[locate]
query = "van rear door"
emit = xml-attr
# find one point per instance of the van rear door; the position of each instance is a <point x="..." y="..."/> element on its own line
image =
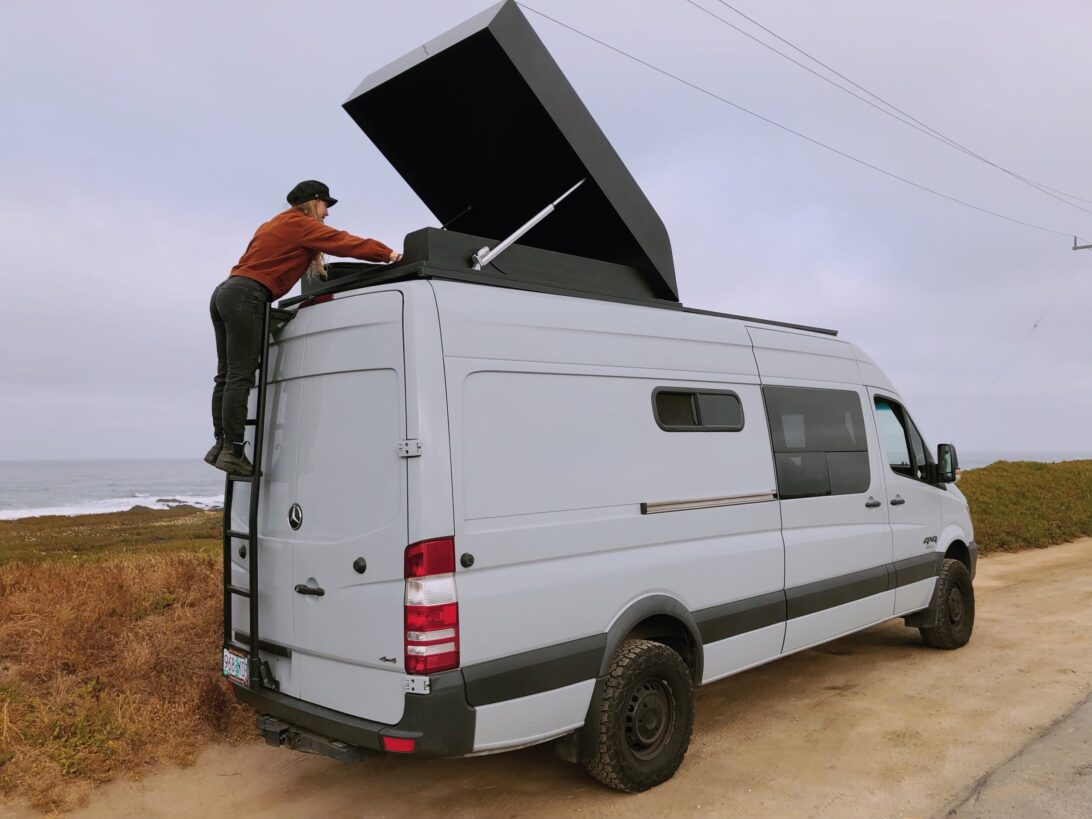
<point x="340" y="392"/>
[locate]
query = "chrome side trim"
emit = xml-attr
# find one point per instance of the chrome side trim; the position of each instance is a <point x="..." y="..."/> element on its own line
<point x="706" y="503"/>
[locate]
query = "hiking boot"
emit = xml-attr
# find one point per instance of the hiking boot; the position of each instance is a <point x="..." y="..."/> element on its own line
<point x="234" y="464"/>
<point x="214" y="453"/>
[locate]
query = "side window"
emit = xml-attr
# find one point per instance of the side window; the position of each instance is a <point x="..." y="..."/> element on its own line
<point x="921" y="453"/>
<point x="818" y="441"/>
<point x="697" y="411"/>
<point x="905" y="448"/>
<point x="893" y="438"/>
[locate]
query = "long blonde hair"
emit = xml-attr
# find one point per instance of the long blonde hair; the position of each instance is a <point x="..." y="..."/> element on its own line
<point x="317" y="268"/>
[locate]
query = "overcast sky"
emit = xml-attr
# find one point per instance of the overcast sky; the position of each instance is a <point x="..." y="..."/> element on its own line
<point x="143" y="142"/>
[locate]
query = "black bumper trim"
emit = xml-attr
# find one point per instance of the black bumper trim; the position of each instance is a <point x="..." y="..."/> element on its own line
<point x="441" y="722"/>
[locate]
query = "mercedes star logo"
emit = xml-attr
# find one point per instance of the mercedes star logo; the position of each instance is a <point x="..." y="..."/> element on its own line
<point x="295" y="516"/>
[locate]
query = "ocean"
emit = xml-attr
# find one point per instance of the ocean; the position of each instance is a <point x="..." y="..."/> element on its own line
<point x="33" y="488"/>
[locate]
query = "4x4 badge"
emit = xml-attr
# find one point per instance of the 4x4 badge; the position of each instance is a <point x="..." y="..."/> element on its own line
<point x="295" y="516"/>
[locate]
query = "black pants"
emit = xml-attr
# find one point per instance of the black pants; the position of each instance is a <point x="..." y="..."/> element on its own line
<point x="238" y="309"/>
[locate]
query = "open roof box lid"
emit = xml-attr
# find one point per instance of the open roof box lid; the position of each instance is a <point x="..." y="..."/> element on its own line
<point x="484" y="127"/>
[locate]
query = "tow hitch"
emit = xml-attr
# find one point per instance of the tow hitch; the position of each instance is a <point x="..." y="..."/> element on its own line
<point x="278" y="733"/>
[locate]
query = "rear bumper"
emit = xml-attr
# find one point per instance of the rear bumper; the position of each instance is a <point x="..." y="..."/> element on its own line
<point x="441" y="723"/>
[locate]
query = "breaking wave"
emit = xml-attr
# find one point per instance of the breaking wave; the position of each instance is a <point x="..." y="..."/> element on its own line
<point x="96" y="507"/>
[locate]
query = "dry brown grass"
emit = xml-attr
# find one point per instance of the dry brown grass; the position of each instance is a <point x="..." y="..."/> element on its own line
<point x="108" y="667"/>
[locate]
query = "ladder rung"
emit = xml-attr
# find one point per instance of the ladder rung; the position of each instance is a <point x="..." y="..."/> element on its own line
<point x="251" y="421"/>
<point x="233" y="533"/>
<point x="277" y="314"/>
<point x="239" y="590"/>
<point x="241" y="478"/>
<point x="235" y="644"/>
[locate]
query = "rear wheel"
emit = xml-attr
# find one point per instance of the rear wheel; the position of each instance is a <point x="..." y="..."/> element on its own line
<point x="955" y="608"/>
<point x="645" y="717"/>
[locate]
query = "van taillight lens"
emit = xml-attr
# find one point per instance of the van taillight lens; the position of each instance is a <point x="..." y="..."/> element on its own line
<point x="432" y="609"/>
<point x="430" y="557"/>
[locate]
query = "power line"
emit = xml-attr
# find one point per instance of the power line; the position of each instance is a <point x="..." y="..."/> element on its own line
<point x="895" y="112"/>
<point x="799" y="134"/>
<point x="1019" y="347"/>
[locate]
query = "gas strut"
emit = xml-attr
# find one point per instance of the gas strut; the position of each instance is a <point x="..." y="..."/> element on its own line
<point x="485" y="255"/>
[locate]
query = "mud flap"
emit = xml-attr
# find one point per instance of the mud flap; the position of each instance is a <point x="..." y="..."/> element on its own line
<point x="580" y="746"/>
<point x="927" y="617"/>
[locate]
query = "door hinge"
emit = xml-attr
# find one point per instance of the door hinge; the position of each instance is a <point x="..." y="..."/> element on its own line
<point x="416" y="685"/>
<point x="410" y="448"/>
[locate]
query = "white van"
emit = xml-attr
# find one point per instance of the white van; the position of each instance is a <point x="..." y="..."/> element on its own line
<point x="535" y="515"/>
<point x="545" y="502"/>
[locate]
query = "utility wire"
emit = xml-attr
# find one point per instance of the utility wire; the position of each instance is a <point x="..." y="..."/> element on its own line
<point x="895" y="112"/>
<point x="799" y="134"/>
<point x="1019" y="347"/>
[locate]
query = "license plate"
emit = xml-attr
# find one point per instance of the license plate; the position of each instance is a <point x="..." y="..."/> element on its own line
<point x="236" y="667"/>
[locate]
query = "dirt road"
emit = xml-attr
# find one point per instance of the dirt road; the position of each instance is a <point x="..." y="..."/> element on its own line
<point x="872" y="725"/>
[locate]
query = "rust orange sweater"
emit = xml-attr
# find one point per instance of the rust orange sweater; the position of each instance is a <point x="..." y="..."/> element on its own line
<point x="282" y="249"/>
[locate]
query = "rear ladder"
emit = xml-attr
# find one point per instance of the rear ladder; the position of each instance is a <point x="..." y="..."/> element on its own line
<point x="260" y="672"/>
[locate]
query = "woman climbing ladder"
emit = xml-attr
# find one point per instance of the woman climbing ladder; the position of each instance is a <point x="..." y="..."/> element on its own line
<point x="289" y="245"/>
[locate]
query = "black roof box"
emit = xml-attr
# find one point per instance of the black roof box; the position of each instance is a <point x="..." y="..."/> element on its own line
<point x="482" y="118"/>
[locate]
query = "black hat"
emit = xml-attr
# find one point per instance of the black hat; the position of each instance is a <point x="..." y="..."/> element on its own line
<point x="310" y="189"/>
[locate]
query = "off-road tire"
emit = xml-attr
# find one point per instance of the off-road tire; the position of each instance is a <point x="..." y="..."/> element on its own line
<point x="955" y="608"/>
<point x="645" y="717"/>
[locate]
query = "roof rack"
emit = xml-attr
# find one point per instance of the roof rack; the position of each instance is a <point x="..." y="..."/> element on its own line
<point x="432" y="253"/>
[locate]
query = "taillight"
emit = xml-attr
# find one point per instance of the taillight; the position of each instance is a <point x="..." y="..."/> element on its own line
<point x="432" y="610"/>
<point x="399" y="745"/>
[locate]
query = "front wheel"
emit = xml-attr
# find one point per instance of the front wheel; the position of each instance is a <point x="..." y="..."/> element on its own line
<point x="955" y="608"/>
<point x="644" y="721"/>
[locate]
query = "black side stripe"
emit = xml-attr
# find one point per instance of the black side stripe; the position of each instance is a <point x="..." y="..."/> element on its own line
<point x="917" y="568"/>
<point x="544" y="669"/>
<point x="732" y="619"/>
<point x="532" y="672"/>
<point x="837" y="591"/>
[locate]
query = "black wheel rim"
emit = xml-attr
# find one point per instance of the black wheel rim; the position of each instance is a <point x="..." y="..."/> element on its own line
<point x="956" y="606"/>
<point x="650" y="718"/>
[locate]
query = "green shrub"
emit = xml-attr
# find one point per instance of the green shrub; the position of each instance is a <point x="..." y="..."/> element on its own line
<point x="1026" y="505"/>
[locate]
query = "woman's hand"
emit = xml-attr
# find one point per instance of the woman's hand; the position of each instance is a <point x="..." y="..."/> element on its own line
<point x="395" y="257"/>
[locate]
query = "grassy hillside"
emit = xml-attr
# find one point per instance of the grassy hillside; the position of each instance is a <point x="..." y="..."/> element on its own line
<point x="1023" y="505"/>
<point x="110" y="628"/>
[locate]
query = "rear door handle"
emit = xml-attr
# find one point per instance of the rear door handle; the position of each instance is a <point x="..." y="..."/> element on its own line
<point x="313" y="590"/>
<point x="872" y="503"/>
<point x="897" y="501"/>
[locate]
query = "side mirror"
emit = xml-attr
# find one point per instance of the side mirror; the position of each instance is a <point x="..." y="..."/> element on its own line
<point x="947" y="464"/>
